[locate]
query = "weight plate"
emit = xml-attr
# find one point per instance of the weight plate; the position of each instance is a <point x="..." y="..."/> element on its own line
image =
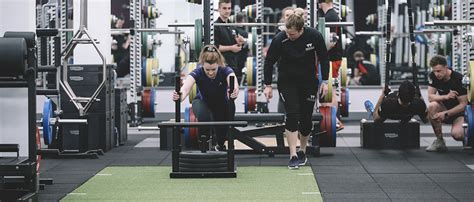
<point x="202" y="165"/>
<point x="328" y="97"/>
<point x="469" y="119"/>
<point x="250" y="99"/>
<point x="197" y="38"/>
<point x="250" y="71"/>
<point x="144" y="70"/>
<point x="344" y="102"/>
<point x="202" y="161"/>
<point x="203" y="169"/>
<point x="154" y="72"/>
<point x="47" y="127"/>
<point x="344" y="72"/>
<point x="148" y="103"/>
<point x="471" y="83"/>
<point x="328" y="126"/>
<point x="200" y="155"/>
<point x="38" y="147"/>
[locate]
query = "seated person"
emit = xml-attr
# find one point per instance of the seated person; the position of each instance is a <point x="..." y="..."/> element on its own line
<point x="212" y="102"/>
<point x="400" y="105"/>
<point x="447" y="98"/>
<point x="365" y="72"/>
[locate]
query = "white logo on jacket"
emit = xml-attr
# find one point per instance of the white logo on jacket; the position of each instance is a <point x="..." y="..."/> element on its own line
<point x="309" y="47"/>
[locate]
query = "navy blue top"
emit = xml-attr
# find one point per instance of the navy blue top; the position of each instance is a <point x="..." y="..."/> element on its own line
<point x="212" y="91"/>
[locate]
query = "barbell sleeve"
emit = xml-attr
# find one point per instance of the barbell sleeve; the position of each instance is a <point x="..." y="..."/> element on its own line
<point x="140" y="128"/>
<point x="449" y="23"/>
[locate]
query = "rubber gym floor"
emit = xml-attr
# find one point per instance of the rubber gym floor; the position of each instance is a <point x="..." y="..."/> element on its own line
<point x="139" y="171"/>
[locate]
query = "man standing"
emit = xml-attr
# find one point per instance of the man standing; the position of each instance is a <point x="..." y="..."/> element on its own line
<point x="447" y="98"/>
<point x="226" y="38"/>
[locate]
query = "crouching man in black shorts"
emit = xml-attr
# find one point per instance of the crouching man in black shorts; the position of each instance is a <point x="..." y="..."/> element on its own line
<point x="448" y="98"/>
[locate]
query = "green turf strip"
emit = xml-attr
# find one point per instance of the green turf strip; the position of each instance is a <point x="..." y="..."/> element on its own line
<point x="154" y="184"/>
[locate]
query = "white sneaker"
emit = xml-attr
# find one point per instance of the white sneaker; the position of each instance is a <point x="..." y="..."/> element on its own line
<point x="437" y="146"/>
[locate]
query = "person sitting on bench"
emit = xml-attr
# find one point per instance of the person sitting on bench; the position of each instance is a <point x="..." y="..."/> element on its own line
<point x="400" y="105"/>
<point x="212" y="101"/>
<point x="447" y="98"/>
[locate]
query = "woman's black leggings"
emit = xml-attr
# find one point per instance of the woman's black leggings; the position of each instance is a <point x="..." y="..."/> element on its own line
<point x="298" y="99"/>
<point x="212" y="112"/>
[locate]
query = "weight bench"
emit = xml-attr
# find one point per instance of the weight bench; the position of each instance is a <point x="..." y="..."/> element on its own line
<point x="275" y="126"/>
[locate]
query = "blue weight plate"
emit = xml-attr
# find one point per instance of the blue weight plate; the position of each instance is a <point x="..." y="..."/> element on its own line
<point x="246" y="102"/>
<point x="144" y="72"/>
<point x="254" y="76"/>
<point x="47" y="127"/>
<point x="469" y="114"/>
<point x="333" y="126"/>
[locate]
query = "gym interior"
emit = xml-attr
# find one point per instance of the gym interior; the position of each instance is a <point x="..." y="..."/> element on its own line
<point x="89" y="94"/>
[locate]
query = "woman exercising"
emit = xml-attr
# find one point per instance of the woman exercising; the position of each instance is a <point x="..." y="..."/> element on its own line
<point x="212" y="101"/>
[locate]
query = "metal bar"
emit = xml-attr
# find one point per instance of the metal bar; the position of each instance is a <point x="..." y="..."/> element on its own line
<point x="254" y="24"/>
<point x="140" y="128"/>
<point x="449" y="23"/>
<point x="83" y="121"/>
<point x="425" y="31"/>
<point x="369" y="33"/>
<point x="83" y="19"/>
<point x="181" y="25"/>
<point x="203" y="124"/>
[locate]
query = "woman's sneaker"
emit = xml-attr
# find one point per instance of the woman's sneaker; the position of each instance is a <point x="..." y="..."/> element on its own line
<point x="301" y="158"/>
<point x="294" y="163"/>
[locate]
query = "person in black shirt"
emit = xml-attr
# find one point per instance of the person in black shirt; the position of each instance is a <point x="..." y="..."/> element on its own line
<point x="400" y="105"/>
<point x="364" y="72"/>
<point x="226" y="38"/>
<point x="296" y="50"/>
<point x="448" y="98"/>
<point x="241" y="56"/>
<point x="121" y="51"/>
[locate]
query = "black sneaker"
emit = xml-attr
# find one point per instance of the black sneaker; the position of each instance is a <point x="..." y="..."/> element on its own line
<point x="294" y="163"/>
<point x="302" y="158"/>
<point x="220" y="148"/>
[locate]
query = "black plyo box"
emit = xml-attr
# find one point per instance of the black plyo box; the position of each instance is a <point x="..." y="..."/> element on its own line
<point x="98" y="134"/>
<point x="390" y="135"/>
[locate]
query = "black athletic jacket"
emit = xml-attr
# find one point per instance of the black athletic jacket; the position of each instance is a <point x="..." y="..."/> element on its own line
<point x="296" y="59"/>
